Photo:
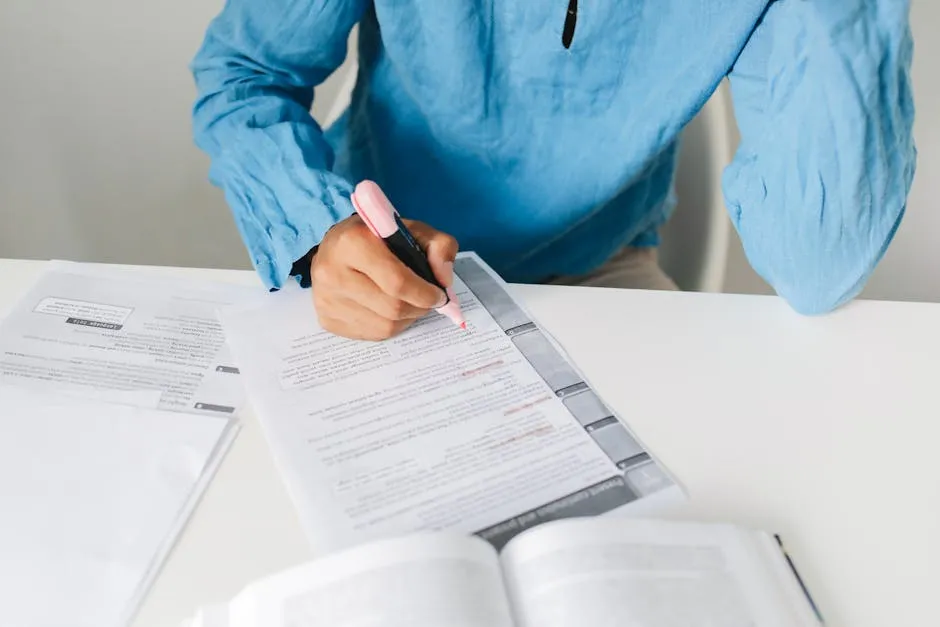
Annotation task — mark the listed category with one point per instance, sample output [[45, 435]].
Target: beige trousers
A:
[[631, 268]]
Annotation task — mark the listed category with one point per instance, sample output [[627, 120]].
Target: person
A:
[[543, 136]]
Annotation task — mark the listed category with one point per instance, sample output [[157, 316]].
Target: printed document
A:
[[488, 430], [116, 336], [118, 399]]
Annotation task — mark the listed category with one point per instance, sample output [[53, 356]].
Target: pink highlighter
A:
[[375, 209]]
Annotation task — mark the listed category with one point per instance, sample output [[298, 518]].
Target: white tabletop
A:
[[822, 429]]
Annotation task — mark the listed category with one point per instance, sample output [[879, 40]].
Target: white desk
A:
[[823, 429]]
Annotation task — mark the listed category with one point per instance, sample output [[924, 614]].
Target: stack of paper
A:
[[488, 430], [118, 398], [117, 402]]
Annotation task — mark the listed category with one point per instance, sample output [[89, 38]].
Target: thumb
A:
[[440, 248]]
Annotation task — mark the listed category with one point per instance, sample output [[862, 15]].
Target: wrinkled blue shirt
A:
[[474, 118]]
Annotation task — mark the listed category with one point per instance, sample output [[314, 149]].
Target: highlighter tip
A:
[[463, 325]]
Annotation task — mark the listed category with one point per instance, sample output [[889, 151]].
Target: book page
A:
[[641, 573], [487, 430], [121, 337], [428, 580], [92, 497]]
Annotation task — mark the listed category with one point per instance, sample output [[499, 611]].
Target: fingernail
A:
[[448, 273], [442, 300]]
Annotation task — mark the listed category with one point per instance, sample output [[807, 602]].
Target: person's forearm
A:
[[252, 117], [819, 184]]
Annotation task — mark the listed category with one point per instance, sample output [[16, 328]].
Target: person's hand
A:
[[362, 291]]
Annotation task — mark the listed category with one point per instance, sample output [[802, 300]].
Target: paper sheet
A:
[[98, 483], [487, 431], [118, 337], [92, 497]]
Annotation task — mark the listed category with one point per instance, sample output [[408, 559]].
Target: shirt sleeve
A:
[[819, 184], [255, 73]]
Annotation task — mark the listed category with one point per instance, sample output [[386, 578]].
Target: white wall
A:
[[96, 157], [911, 267], [97, 162]]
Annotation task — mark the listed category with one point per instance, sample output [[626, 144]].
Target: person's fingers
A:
[[357, 287], [348, 303], [351, 320], [371, 257], [362, 290], [440, 248]]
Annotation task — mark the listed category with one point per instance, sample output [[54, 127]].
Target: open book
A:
[[572, 573]]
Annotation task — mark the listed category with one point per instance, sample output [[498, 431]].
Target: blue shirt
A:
[[474, 118]]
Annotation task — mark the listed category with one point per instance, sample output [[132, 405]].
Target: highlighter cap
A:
[[375, 209]]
